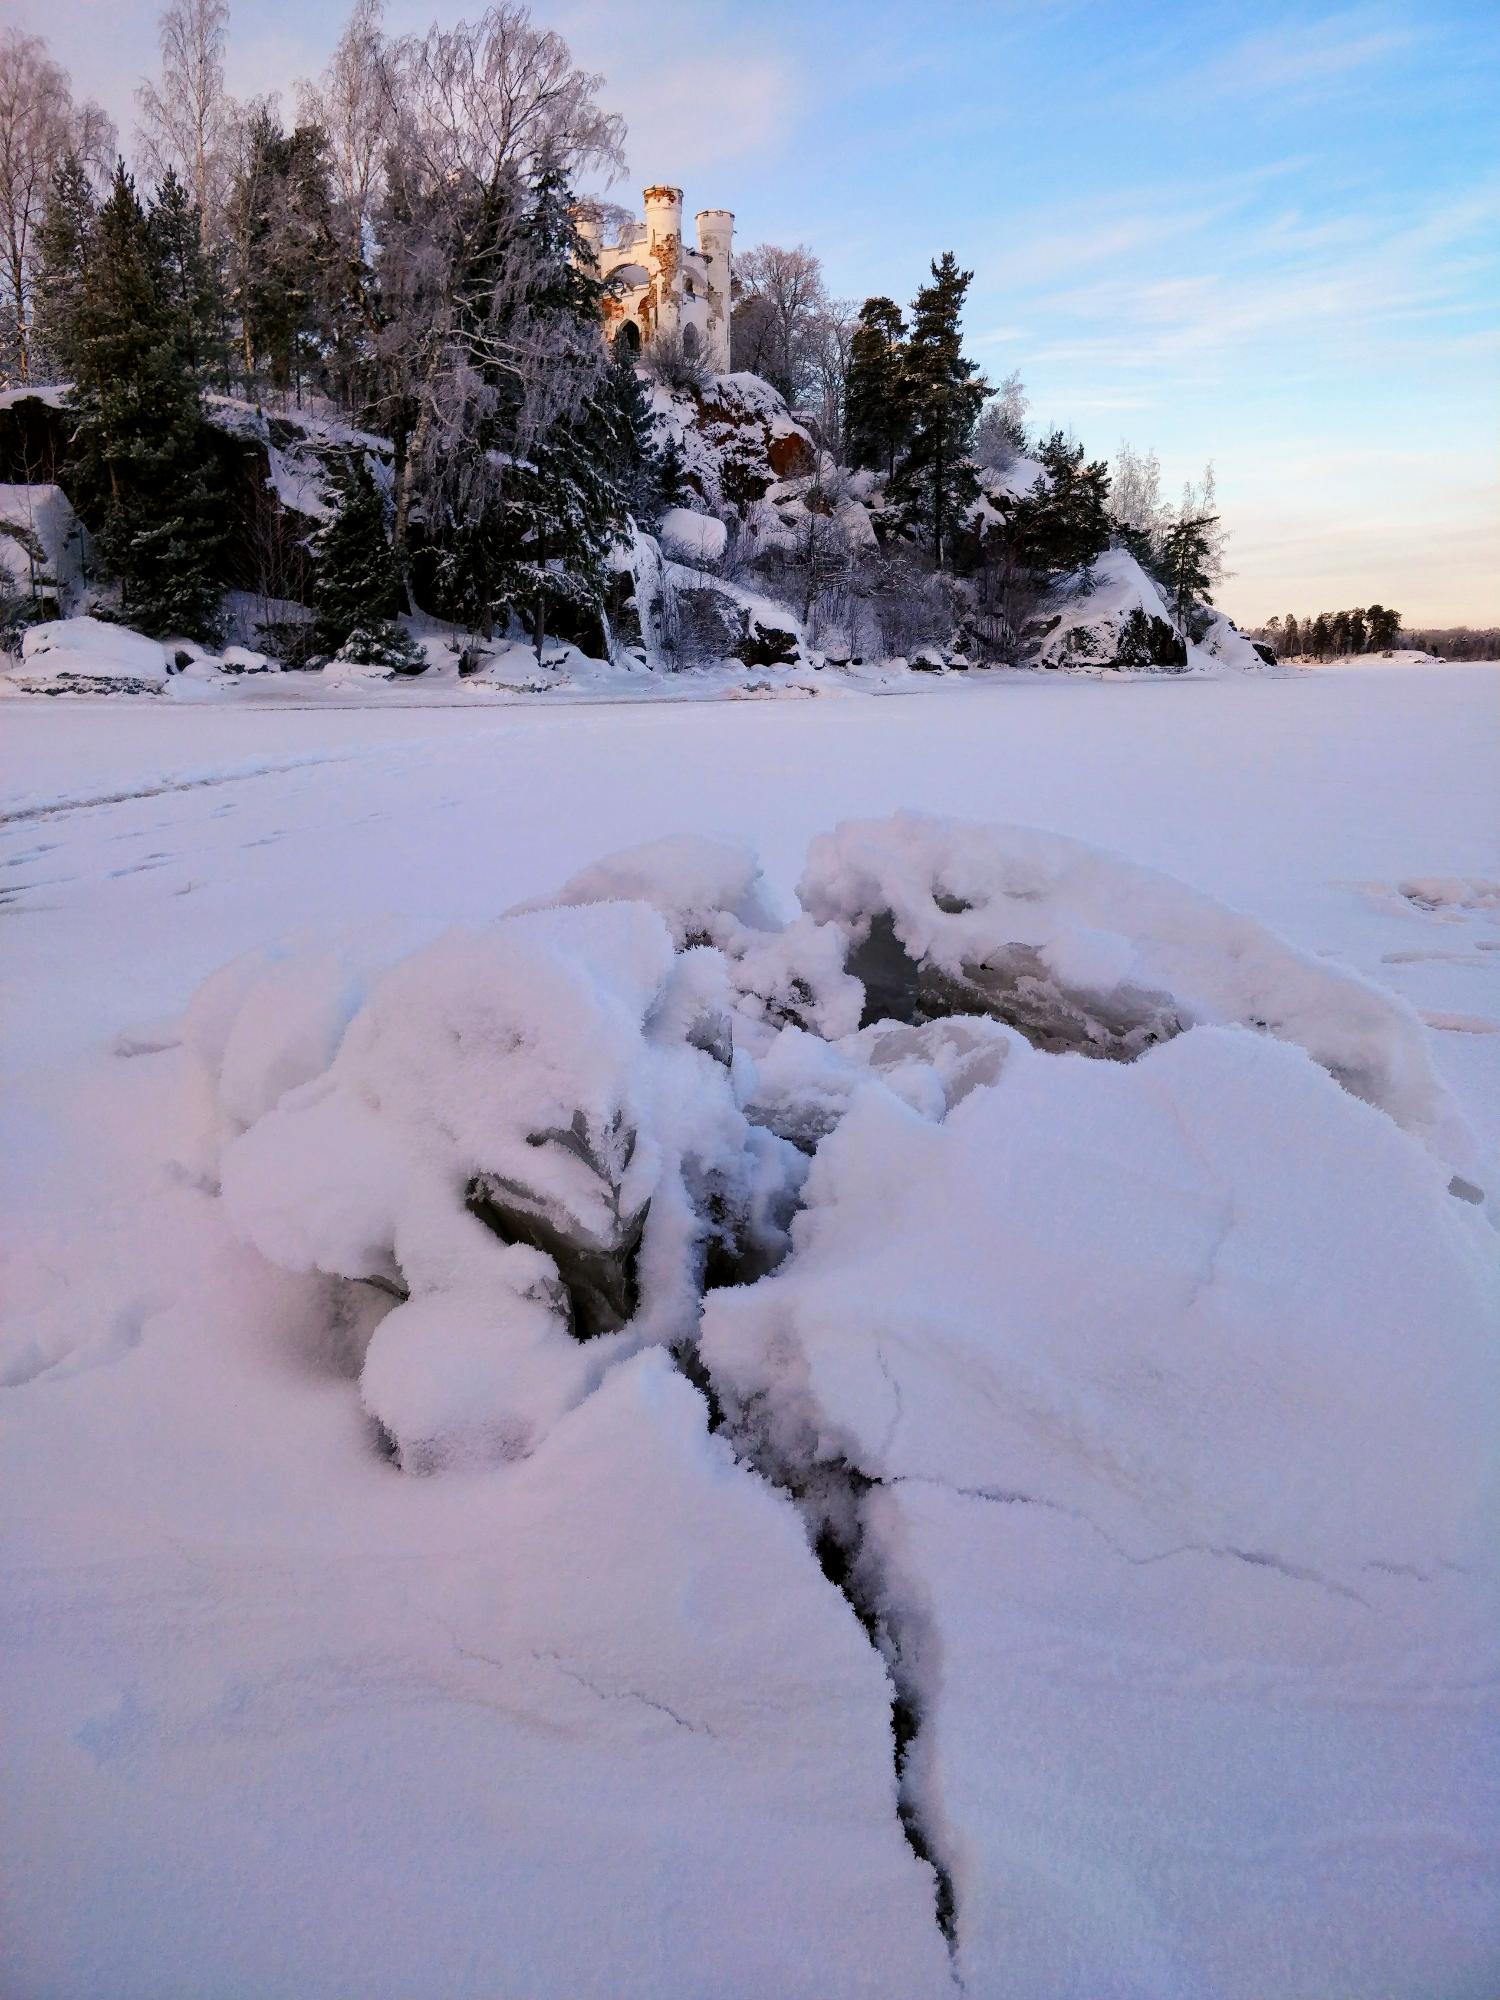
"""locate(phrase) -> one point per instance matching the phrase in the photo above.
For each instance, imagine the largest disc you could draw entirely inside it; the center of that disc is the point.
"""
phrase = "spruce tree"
(357, 582)
(629, 444)
(567, 499)
(143, 455)
(65, 249)
(876, 403)
(936, 482)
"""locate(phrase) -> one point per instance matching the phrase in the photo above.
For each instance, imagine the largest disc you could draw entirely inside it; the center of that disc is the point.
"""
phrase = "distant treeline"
(1333, 635)
(1455, 642)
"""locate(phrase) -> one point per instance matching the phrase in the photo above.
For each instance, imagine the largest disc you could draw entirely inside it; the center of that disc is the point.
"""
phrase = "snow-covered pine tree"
(935, 482)
(647, 485)
(65, 248)
(876, 401)
(1061, 526)
(357, 582)
(143, 458)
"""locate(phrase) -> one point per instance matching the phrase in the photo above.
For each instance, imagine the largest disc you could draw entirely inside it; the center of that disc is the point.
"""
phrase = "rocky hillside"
(769, 555)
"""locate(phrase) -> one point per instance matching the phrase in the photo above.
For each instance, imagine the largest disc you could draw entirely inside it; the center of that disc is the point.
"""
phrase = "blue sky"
(1266, 235)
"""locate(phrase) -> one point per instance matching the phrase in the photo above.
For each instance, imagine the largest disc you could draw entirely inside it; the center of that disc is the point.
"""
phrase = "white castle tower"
(662, 287)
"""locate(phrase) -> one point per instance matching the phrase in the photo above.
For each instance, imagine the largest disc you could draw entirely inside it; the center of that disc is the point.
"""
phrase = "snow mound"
(1122, 1391)
(1142, 1410)
(711, 893)
(68, 651)
(1084, 1287)
(705, 890)
(1083, 950)
(545, 1137)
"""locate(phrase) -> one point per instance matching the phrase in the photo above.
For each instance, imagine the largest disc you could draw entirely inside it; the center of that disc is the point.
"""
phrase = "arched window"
(692, 346)
(628, 339)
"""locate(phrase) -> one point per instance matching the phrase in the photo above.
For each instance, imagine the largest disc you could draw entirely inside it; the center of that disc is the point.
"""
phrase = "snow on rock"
(86, 652)
(1224, 643)
(692, 537)
(1083, 1287)
(303, 452)
(711, 893)
(1150, 1367)
(734, 436)
(1120, 621)
(702, 889)
(526, 1133)
(273, 1018)
(1110, 1394)
(1081, 949)
(998, 484)
(41, 544)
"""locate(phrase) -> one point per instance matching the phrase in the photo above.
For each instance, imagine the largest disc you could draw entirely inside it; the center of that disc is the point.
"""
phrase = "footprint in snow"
(1462, 1024)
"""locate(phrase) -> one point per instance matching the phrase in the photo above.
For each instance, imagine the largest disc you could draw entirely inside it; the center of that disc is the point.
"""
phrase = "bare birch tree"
(352, 105)
(187, 120)
(773, 329)
(39, 124)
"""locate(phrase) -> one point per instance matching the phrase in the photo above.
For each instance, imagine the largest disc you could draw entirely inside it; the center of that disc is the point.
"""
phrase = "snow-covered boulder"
(691, 537)
(41, 545)
(1227, 646)
(87, 655)
(527, 1134)
(1120, 621)
(1142, 1410)
(1082, 950)
(734, 437)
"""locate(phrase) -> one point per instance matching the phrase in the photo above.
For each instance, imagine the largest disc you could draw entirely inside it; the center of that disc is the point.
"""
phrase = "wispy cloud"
(1297, 52)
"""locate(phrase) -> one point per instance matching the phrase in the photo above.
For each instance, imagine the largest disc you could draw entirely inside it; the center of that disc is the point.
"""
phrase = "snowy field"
(1185, 1585)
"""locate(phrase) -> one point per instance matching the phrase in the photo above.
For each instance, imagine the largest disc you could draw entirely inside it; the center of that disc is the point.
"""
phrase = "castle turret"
(664, 255)
(715, 227)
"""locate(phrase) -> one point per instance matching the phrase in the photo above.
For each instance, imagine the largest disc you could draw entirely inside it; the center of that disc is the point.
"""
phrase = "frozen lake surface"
(283, 1722)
